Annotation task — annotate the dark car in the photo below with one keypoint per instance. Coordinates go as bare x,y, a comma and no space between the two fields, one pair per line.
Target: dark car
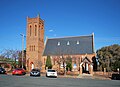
2,70
19,71
115,77
35,72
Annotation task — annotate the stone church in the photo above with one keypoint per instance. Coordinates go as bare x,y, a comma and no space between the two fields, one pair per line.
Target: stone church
80,49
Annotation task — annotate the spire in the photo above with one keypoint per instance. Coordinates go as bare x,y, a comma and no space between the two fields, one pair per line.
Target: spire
93,34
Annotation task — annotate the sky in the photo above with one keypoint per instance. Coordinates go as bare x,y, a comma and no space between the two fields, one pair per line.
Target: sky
62,18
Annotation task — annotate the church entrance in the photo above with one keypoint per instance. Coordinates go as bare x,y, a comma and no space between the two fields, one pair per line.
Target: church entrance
32,65
86,66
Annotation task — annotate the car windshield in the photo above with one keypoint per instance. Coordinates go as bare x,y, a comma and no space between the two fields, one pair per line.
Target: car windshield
1,69
51,70
18,69
35,70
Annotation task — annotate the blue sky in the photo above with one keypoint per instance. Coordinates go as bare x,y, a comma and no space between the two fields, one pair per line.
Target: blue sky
62,18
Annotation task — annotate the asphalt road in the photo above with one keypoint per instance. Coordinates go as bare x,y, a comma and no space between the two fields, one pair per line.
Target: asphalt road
27,81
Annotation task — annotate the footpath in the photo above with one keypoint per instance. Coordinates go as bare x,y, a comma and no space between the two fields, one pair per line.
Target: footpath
84,76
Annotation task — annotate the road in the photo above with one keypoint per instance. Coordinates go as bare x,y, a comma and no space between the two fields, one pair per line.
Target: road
27,81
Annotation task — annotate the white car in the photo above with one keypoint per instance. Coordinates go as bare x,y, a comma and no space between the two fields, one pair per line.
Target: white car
51,73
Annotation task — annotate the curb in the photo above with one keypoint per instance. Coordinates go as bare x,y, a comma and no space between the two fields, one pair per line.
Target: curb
79,76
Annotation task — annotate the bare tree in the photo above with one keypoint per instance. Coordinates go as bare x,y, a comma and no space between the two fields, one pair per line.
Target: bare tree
7,53
11,54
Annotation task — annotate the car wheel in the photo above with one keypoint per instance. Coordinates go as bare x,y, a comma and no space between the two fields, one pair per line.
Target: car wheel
23,73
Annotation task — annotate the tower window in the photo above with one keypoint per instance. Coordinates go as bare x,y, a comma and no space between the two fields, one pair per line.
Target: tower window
30,30
35,30
34,47
29,48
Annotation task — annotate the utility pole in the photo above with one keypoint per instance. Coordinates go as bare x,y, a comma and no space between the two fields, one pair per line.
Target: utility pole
22,47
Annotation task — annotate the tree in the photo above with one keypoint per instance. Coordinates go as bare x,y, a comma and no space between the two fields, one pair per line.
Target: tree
10,55
68,64
109,57
94,63
48,62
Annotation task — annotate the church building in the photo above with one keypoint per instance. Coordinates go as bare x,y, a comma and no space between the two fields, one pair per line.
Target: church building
79,49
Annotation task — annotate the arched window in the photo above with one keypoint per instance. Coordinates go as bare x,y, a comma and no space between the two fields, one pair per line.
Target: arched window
58,44
29,48
78,42
68,43
30,30
35,30
34,47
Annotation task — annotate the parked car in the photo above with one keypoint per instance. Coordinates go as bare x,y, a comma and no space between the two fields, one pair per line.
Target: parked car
115,77
35,72
51,73
19,71
2,70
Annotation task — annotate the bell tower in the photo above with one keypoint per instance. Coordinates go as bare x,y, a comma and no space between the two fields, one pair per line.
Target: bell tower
34,42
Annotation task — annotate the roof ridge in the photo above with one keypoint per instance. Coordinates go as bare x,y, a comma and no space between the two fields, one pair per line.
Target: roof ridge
70,36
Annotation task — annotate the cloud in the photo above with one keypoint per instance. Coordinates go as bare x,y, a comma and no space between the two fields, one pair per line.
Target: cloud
51,30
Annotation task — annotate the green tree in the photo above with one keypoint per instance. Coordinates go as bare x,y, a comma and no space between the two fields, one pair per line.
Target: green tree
109,57
69,64
48,62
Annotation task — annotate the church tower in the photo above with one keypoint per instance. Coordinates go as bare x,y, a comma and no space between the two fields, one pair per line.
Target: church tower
34,42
